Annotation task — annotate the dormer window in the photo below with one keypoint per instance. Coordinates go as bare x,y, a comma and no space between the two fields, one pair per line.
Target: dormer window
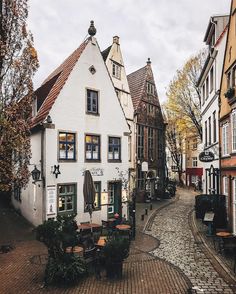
116,70
150,88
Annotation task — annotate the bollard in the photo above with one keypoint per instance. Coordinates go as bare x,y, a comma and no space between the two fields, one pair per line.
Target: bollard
142,217
146,211
151,206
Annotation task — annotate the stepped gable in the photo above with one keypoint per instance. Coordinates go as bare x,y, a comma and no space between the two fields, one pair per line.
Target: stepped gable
51,87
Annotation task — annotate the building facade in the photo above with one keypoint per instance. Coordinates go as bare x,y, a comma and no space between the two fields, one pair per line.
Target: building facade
115,65
78,125
150,163
209,87
228,121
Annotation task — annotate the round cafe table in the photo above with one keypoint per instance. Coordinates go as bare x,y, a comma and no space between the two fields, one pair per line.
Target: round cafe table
223,234
123,227
76,250
88,226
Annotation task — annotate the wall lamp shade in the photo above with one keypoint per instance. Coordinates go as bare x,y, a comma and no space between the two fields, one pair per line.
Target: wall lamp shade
35,174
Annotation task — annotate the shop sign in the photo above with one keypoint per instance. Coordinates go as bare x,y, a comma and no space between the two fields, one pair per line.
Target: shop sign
206,156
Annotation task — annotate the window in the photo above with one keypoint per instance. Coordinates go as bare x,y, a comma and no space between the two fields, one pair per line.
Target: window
66,198
150,144
225,143
229,80
141,180
116,70
92,147
114,148
209,127
226,191
151,109
194,161
67,150
97,201
206,133
140,141
150,88
92,101
111,199
214,126
203,94
233,124
207,87
211,79
194,144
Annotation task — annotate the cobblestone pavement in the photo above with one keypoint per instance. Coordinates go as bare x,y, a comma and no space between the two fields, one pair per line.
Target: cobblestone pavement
21,270
178,246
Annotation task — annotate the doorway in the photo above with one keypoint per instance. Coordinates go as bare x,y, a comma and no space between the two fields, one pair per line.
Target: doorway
114,199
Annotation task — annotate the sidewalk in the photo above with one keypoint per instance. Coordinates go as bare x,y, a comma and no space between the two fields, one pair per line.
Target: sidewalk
143,273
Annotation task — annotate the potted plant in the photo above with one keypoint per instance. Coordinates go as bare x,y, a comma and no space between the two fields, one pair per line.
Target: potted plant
230,93
57,235
114,253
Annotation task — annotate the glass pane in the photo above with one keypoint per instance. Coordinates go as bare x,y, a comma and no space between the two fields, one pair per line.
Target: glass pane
88,155
62,189
88,139
61,204
62,136
95,155
70,151
95,139
71,137
110,155
62,151
116,155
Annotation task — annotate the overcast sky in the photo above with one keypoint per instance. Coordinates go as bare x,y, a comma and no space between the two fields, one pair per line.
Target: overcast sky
167,31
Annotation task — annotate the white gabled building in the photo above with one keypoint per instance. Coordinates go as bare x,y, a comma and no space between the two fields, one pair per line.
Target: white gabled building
79,124
115,65
209,86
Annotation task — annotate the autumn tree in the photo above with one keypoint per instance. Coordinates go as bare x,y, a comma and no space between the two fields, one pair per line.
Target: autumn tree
183,95
174,140
18,62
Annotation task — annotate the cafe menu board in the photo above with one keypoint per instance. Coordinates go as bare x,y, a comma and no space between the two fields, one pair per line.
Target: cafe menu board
51,200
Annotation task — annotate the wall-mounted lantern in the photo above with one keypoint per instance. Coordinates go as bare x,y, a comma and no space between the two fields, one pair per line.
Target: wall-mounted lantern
35,175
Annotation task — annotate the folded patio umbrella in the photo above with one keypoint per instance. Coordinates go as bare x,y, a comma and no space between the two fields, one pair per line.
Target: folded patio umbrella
89,194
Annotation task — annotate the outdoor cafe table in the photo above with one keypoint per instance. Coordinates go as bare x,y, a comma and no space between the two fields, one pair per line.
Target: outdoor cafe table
88,226
222,235
123,227
76,250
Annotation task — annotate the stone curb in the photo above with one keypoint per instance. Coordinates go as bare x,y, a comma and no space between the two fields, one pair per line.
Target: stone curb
216,262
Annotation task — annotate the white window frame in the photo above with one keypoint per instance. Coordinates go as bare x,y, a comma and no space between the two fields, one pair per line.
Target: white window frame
194,162
233,130
116,70
225,139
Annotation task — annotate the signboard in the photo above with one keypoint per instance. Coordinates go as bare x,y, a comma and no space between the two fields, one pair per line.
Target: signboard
94,171
206,156
144,166
51,200
209,216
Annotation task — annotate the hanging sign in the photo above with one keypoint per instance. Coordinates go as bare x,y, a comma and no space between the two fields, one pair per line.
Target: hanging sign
144,166
206,156
51,200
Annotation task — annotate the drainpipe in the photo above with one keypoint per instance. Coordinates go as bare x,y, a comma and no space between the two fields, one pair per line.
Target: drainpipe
43,174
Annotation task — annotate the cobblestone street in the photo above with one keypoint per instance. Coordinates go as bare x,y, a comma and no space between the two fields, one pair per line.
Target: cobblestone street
179,247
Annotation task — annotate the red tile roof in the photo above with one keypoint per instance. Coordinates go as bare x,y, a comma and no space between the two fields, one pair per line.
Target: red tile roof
137,82
51,87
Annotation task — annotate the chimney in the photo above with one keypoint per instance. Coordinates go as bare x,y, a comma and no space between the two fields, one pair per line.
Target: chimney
116,40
